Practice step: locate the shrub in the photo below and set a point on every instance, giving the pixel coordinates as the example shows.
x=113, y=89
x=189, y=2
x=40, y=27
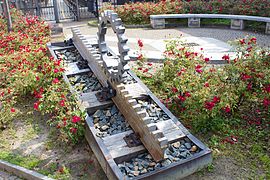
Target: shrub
x=139, y=13
x=26, y=70
x=209, y=97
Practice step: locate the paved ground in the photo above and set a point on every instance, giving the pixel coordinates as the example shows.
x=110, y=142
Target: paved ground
x=224, y=35
x=212, y=40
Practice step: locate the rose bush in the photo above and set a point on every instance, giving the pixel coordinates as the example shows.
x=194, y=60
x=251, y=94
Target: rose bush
x=210, y=98
x=139, y=13
x=26, y=70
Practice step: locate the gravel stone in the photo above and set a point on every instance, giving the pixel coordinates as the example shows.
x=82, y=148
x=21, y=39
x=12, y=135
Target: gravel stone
x=86, y=82
x=175, y=152
x=72, y=55
x=188, y=145
x=153, y=112
x=109, y=121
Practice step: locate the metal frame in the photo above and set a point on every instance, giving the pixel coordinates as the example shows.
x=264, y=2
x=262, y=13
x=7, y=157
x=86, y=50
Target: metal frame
x=175, y=170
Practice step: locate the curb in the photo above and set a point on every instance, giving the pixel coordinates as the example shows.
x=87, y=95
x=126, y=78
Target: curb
x=137, y=26
x=126, y=25
x=22, y=172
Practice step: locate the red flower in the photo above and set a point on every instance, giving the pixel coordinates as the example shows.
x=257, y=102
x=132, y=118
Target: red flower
x=55, y=70
x=198, y=70
x=206, y=59
x=216, y=99
x=36, y=105
x=37, y=78
x=187, y=94
x=57, y=63
x=231, y=140
x=182, y=98
x=174, y=90
x=12, y=110
x=227, y=109
x=249, y=86
x=245, y=77
x=226, y=58
x=220, y=9
x=249, y=49
x=140, y=43
x=145, y=70
x=75, y=119
x=38, y=95
x=140, y=57
x=139, y=68
x=266, y=102
x=149, y=64
x=62, y=103
x=55, y=81
x=198, y=66
x=253, y=40
x=73, y=130
x=206, y=84
x=267, y=88
x=209, y=105
x=41, y=90
x=242, y=41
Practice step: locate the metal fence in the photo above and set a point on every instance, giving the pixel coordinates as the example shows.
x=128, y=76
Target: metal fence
x=59, y=10
x=55, y=10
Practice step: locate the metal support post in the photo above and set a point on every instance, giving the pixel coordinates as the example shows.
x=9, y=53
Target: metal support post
x=97, y=11
x=37, y=7
x=7, y=15
x=77, y=10
x=56, y=14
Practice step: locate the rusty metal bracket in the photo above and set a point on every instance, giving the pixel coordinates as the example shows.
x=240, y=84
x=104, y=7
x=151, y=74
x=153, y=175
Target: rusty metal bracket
x=68, y=42
x=106, y=93
x=132, y=140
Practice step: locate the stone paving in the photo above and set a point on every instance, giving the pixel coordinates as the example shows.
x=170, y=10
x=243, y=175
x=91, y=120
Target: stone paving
x=7, y=176
x=224, y=35
x=212, y=40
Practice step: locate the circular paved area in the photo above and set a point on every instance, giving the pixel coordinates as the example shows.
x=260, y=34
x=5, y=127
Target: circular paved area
x=224, y=35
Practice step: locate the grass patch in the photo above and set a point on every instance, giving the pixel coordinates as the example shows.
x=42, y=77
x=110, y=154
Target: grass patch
x=32, y=132
x=29, y=162
x=225, y=22
x=93, y=23
x=255, y=26
x=176, y=22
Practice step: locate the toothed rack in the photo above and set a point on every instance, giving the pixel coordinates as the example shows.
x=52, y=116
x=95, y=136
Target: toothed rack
x=110, y=68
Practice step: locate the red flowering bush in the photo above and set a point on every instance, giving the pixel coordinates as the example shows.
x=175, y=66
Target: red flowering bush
x=27, y=71
x=252, y=7
x=139, y=13
x=210, y=97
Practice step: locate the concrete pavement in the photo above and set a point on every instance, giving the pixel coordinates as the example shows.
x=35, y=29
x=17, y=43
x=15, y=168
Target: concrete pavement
x=212, y=41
